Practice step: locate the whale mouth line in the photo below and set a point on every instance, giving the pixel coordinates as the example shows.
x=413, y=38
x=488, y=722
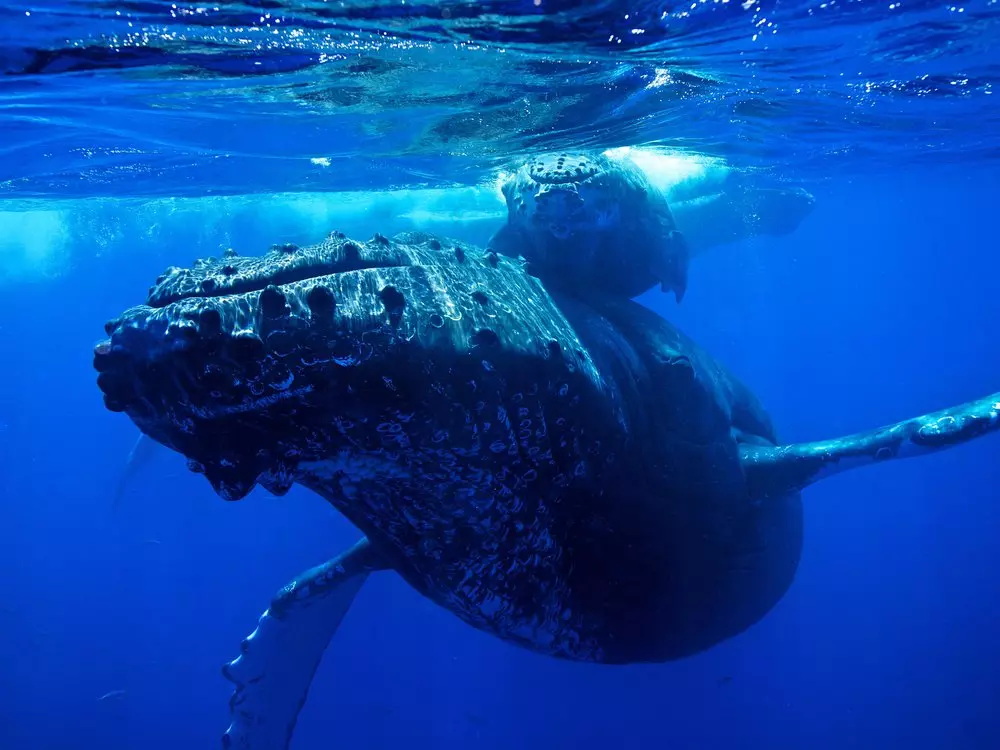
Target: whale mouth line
x=162, y=296
x=558, y=180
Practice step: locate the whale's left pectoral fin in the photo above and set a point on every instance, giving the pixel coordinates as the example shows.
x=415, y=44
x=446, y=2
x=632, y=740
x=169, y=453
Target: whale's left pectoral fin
x=775, y=470
x=277, y=662
x=670, y=265
x=142, y=452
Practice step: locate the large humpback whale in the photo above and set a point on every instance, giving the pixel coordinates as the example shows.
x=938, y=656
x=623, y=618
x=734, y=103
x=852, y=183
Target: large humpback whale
x=709, y=205
x=576, y=478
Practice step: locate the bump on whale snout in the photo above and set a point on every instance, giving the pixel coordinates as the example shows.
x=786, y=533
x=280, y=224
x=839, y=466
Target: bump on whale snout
x=221, y=338
x=214, y=371
x=207, y=325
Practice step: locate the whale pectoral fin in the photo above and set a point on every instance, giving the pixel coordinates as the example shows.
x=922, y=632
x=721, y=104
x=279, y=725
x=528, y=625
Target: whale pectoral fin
x=507, y=241
x=277, y=662
x=670, y=265
x=740, y=213
x=143, y=450
x=776, y=470
x=777, y=211
x=708, y=220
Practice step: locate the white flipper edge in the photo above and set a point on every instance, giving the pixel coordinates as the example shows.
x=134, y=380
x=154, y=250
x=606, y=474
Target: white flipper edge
x=278, y=660
x=140, y=455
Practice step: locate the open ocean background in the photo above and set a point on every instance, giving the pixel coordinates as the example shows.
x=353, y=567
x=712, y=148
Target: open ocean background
x=137, y=135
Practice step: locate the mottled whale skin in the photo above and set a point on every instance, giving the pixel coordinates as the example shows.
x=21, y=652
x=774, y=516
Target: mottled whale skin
x=589, y=221
x=576, y=478
x=586, y=221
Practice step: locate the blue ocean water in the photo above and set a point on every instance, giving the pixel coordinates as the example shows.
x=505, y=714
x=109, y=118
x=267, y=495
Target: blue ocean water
x=138, y=135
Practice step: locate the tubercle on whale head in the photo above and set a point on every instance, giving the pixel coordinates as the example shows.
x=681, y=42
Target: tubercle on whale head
x=562, y=193
x=249, y=366
x=592, y=225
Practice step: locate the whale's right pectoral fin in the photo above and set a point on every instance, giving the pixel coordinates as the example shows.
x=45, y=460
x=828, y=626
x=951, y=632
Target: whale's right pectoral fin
x=740, y=213
x=277, y=662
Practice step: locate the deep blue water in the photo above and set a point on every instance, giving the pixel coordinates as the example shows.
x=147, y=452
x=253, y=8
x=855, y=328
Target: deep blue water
x=881, y=305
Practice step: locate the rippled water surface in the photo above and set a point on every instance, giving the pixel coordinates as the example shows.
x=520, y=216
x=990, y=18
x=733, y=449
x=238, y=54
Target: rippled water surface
x=158, y=98
x=143, y=134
